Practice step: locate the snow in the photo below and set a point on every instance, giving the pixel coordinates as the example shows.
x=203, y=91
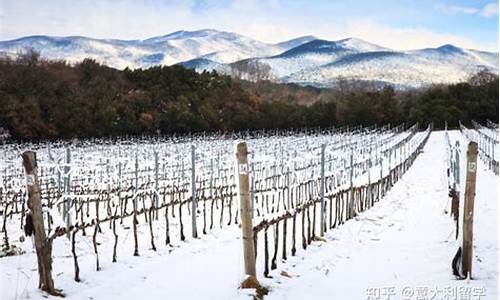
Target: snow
x=410, y=69
x=304, y=60
x=311, y=55
x=360, y=45
x=405, y=240
x=286, y=45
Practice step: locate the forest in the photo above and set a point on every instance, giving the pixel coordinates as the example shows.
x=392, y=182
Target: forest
x=42, y=99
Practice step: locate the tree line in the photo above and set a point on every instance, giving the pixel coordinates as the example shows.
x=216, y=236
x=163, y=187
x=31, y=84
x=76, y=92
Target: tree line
x=41, y=99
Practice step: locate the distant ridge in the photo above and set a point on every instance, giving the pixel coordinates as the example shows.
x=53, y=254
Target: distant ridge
x=305, y=60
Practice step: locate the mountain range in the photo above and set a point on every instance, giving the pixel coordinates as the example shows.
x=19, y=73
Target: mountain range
x=305, y=60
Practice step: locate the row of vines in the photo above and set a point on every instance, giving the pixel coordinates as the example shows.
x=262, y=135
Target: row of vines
x=163, y=191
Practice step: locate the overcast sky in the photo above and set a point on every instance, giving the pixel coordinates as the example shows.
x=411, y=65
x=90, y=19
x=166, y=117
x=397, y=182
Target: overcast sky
x=398, y=24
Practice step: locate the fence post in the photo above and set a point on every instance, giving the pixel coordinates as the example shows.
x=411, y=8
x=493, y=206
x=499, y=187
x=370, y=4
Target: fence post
x=107, y=169
x=457, y=162
x=193, y=192
x=470, y=191
x=351, y=191
x=390, y=156
x=493, y=150
x=136, y=173
x=119, y=175
x=246, y=217
x=211, y=177
x=381, y=166
x=43, y=244
x=59, y=184
x=289, y=191
x=369, y=166
x=156, y=185
x=67, y=181
x=322, y=187
x=452, y=166
x=251, y=191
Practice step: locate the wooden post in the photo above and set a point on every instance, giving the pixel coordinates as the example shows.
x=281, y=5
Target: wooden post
x=43, y=244
x=470, y=192
x=246, y=218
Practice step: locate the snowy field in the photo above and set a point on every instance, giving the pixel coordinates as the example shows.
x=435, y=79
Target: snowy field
x=399, y=248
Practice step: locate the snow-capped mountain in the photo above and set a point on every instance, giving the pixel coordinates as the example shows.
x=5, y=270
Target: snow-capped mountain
x=322, y=63
x=218, y=46
x=284, y=46
x=313, y=54
x=305, y=60
x=446, y=64
x=114, y=53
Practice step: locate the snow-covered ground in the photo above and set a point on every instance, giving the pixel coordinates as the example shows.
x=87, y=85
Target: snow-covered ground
x=400, y=249
x=404, y=245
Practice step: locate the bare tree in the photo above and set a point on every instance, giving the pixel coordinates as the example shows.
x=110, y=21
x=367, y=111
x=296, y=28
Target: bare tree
x=483, y=77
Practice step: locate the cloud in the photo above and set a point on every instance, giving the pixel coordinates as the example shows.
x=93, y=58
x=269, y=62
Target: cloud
x=406, y=38
x=397, y=38
x=454, y=9
x=489, y=10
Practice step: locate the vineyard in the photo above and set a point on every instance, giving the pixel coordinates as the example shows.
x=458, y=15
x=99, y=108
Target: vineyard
x=106, y=201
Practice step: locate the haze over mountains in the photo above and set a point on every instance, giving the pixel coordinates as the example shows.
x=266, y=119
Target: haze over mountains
x=305, y=60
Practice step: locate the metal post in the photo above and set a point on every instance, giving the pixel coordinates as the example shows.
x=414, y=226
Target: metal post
x=252, y=198
x=107, y=169
x=351, y=191
x=457, y=163
x=289, y=192
x=136, y=174
x=100, y=170
x=322, y=187
x=156, y=184
x=67, y=181
x=369, y=167
x=389, y=165
x=400, y=154
x=193, y=191
x=119, y=175
x=211, y=176
x=492, y=151
x=406, y=150
x=59, y=183
x=218, y=164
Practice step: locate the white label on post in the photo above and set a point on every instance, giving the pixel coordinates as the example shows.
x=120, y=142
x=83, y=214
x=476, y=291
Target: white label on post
x=243, y=169
x=30, y=180
x=472, y=167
